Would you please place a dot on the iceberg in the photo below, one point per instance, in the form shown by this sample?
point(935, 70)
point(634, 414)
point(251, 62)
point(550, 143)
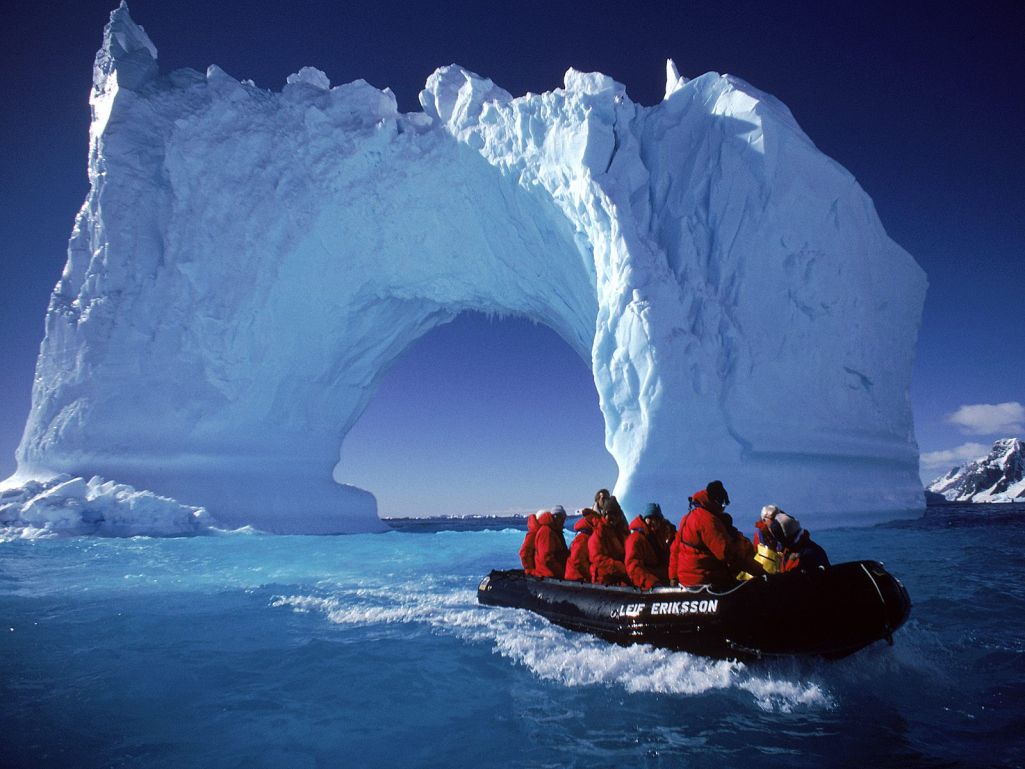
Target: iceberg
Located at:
point(247, 263)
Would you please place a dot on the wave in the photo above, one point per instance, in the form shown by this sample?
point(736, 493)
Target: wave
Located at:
point(14, 533)
point(555, 654)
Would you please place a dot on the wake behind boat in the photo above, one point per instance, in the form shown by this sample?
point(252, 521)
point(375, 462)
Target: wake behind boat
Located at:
point(830, 613)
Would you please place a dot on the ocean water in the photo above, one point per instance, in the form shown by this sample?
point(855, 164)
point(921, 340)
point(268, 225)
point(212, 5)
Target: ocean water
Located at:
point(247, 650)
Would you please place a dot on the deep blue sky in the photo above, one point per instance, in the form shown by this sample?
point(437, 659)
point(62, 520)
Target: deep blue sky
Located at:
point(923, 102)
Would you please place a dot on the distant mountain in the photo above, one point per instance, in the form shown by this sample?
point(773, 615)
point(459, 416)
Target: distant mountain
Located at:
point(997, 477)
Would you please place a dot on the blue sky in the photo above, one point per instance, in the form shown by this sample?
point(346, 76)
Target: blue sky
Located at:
point(923, 104)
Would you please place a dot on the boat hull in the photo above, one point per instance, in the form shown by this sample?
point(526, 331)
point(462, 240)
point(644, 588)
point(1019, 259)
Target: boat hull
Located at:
point(830, 613)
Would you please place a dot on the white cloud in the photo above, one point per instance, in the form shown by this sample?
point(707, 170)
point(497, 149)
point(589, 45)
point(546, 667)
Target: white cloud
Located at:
point(935, 460)
point(1004, 419)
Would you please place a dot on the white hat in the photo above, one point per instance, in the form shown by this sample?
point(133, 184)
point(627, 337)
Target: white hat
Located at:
point(769, 512)
point(791, 527)
point(558, 510)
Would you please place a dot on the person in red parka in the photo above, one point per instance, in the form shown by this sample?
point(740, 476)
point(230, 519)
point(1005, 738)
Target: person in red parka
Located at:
point(527, 548)
point(578, 565)
point(800, 553)
point(709, 550)
point(550, 545)
point(606, 547)
point(667, 536)
point(644, 562)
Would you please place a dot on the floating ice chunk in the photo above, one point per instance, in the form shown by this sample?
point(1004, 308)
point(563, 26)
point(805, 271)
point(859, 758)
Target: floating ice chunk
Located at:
point(64, 505)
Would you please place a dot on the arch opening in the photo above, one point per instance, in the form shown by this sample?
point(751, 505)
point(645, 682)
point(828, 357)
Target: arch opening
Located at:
point(480, 416)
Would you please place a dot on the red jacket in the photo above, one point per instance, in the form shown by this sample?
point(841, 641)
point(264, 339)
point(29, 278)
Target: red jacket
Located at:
point(674, 553)
point(549, 548)
point(643, 556)
point(762, 534)
point(708, 551)
point(606, 549)
point(527, 548)
point(578, 566)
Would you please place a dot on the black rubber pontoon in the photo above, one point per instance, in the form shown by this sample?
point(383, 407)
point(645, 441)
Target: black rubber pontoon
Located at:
point(830, 613)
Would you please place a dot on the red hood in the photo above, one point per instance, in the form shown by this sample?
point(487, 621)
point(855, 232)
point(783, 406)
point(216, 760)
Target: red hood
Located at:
point(547, 519)
point(638, 524)
point(585, 524)
point(532, 522)
point(701, 499)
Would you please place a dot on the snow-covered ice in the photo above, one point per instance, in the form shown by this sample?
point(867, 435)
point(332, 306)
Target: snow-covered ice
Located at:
point(247, 263)
point(66, 505)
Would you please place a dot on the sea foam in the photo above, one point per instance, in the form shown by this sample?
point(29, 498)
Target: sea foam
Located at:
point(555, 654)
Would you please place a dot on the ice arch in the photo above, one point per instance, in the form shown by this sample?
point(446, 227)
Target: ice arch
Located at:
point(247, 263)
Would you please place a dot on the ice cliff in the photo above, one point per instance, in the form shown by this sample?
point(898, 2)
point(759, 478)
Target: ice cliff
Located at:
point(997, 477)
point(247, 263)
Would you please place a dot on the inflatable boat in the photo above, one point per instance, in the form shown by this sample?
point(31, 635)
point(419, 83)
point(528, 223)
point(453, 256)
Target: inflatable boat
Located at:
point(830, 613)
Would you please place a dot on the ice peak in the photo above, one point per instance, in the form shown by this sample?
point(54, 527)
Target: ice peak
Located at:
point(674, 81)
point(1005, 445)
point(310, 76)
point(591, 83)
point(127, 53)
point(455, 95)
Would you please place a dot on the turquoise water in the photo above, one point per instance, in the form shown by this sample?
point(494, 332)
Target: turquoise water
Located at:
point(370, 651)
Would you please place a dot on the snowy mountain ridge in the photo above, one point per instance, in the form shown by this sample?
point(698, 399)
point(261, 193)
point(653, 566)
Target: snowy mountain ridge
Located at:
point(997, 477)
point(248, 262)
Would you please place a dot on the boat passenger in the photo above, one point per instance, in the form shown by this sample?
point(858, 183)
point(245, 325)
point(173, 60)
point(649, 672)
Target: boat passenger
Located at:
point(550, 550)
point(578, 565)
point(668, 536)
point(709, 549)
point(799, 552)
point(644, 549)
point(527, 548)
point(674, 552)
point(767, 546)
point(606, 547)
point(665, 534)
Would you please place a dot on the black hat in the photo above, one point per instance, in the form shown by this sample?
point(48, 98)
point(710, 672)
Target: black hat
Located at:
point(718, 492)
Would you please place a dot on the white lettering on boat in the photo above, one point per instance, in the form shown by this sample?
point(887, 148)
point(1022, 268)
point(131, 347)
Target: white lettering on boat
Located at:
point(686, 607)
point(627, 610)
point(710, 606)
